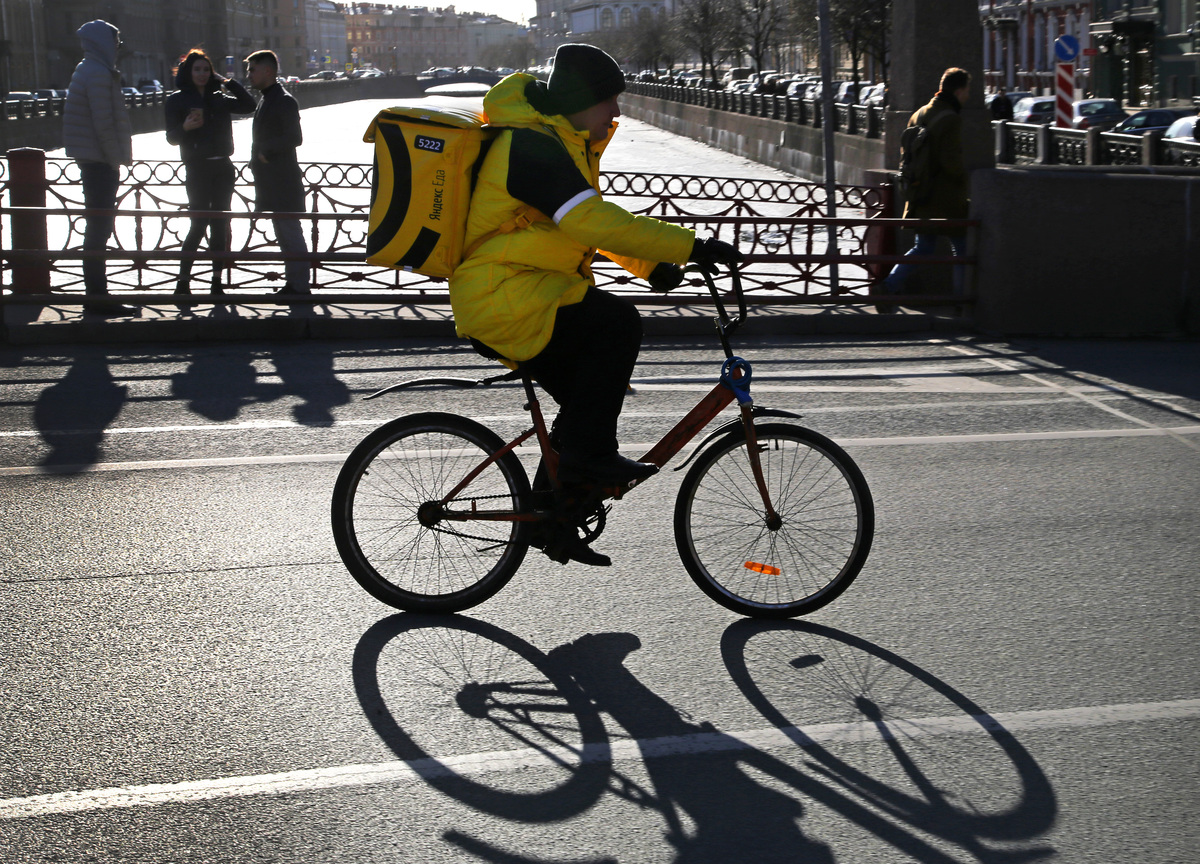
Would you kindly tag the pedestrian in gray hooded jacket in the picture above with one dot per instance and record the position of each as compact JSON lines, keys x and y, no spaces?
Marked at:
{"x":98,"y":136}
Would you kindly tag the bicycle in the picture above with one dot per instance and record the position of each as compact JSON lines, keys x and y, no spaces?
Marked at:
{"x":433,"y":512}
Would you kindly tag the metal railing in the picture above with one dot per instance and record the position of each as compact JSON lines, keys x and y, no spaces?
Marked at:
{"x":777,"y":224}
{"x":1042,"y":144}
{"x":864,"y":120}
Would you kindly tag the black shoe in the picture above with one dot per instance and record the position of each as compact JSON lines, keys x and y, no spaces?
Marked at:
{"x":612,"y":469}
{"x":182,"y":287}
{"x":289,"y":288}
{"x":885,"y":308}
{"x":563,"y":545}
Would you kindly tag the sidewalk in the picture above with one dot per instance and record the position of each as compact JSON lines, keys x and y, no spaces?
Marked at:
{"x":68,"y":324}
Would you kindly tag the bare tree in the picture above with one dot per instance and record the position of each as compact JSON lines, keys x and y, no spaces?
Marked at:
{"x":703,"y":28}
{"x":759,"y":23}
{"x":862,"y":27}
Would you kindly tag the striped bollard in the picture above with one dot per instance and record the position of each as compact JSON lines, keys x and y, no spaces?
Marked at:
{"x":1064,"y":90}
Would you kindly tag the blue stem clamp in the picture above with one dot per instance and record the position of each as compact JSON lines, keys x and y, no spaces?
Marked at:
{"x":739,"y":386}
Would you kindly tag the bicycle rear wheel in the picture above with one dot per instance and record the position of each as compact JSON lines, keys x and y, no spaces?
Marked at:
{"x":390,"y":522}
{"x":810,"y":558}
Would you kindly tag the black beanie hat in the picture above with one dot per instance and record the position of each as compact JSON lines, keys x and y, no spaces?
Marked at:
{"x":583,"y":76}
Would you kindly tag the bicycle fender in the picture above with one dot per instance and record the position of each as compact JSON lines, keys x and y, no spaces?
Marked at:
{"x":443,"y":382}
{"x":735,"y":427}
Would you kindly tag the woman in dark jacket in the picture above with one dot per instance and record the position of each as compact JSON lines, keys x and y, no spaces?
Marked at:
{"x":199,"y":122}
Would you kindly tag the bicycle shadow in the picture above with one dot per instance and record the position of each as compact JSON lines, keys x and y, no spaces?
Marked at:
{"x":717,"y":795}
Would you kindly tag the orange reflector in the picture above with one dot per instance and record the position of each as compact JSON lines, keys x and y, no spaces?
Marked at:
{"x":762,"y":568}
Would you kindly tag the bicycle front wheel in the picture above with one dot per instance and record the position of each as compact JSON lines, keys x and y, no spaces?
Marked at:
{"x":806,"y":560}
{"x":392,"y":522}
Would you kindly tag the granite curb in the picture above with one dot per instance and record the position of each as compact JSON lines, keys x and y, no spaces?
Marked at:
{"x":25,"y":325}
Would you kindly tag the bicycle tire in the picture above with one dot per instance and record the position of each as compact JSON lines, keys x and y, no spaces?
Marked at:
{"x":377,"y":514}
{"x":822,"y":498}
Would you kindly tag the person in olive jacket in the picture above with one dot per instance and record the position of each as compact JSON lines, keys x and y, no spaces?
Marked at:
{"x":199,"y":121}
{"x":948,"y":195}
{"x":278,"y":181}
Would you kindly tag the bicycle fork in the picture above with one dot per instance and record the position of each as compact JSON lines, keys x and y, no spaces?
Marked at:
{"x":740,"y":385}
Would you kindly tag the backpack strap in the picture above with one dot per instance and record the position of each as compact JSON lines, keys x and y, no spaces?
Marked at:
{"x":525,"y":216}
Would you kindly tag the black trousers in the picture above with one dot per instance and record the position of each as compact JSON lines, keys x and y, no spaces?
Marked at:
{"x":100,"y":184}
{"x":586,"y":368}
{"x":209,"y":185}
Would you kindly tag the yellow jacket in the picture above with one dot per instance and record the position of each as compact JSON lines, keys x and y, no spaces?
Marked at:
{"x":507,"y":292}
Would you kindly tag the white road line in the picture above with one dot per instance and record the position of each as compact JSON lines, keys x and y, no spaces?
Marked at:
{"x":1013,"y":366}
{"x":415,"y":771}
{"x":632,"y":447}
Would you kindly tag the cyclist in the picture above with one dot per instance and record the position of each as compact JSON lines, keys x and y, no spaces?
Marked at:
{"x":528,"y":297}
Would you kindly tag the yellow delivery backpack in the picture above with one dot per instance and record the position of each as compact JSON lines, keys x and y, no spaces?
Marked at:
{"x":426,"y":161}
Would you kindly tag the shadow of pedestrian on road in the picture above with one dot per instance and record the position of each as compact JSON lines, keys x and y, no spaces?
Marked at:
{"x":307,"y":372}
{"x":217,"y":385}
{"x":73,"y":413}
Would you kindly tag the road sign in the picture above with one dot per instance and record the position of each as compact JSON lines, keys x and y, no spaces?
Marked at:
{"x":1064,"y":94}
{"x":1066,"y":49}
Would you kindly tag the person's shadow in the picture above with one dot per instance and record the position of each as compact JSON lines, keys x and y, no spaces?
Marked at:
{"x":73,"y":413}
{"x":309,"y":375}
{"x":217,"y":385}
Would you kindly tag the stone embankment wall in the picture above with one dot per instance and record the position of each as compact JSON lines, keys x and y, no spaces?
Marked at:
{"x":787,"y":146}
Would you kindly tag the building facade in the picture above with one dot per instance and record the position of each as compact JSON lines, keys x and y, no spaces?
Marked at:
{"x":1141,"y":52}
{"x":1019,"y":36}
{"x":24,"y":54}
{"x":1148,"y":53}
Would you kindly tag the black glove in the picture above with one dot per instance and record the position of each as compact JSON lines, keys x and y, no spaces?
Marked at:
{"x":665,"y":277}
{"x":710,"y":252}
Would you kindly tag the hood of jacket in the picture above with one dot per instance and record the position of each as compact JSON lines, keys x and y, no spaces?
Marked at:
{"x":99,"y":40}
{"x":522,"y":100}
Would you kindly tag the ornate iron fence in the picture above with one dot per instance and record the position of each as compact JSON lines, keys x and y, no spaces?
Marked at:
{"x":777,"y":224}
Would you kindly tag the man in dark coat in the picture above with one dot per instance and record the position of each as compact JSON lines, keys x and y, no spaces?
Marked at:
{"x":947,"y":198}
{"x":1002,"y":106}
{"x":278,"y":183}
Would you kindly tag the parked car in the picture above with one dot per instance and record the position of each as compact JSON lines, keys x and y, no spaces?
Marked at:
{"x":20,"y":96}
{"x":50,"y":94}
{"x":872,"y":95}
{"x":1097,"y":114}
{"x":130,"y":92}
{"x":324,"y":75}
{"x":846,"y":93}
{"x":1013,"y":97}
{"x":1151,"y":120}
{"x":150,"y":85}
{"x":737,"y":73}
{"x":1184,"y":127}
{"x":1034,"y":109}
{"x":796,"y":89}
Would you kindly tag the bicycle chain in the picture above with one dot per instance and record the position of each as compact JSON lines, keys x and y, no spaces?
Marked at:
{"x":581,"y":525}
{"x":492,"y":540}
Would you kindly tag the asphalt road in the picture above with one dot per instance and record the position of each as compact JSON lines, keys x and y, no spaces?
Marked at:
{"x":189,"y":674}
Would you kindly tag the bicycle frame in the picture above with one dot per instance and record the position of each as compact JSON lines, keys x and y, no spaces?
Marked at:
{"x":734,"y":384}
